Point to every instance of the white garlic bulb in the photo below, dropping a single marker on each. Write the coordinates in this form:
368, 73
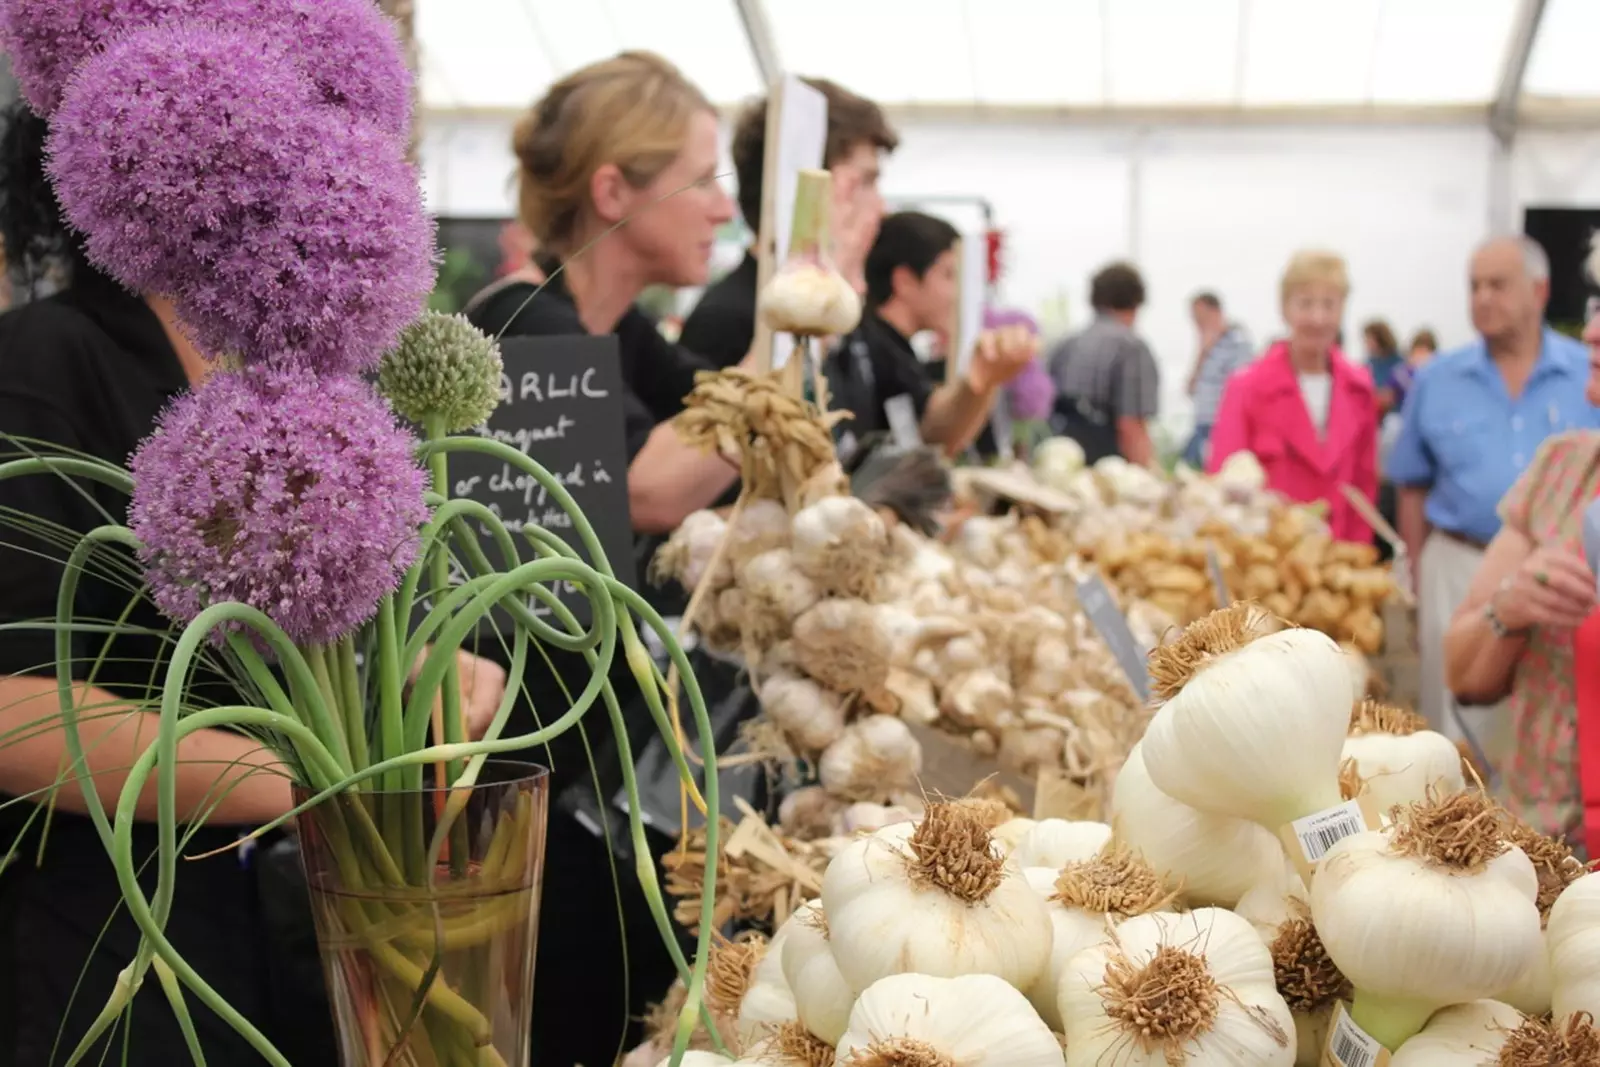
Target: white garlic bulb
974, 1020
1058, 842
1398, 758
1437, 910
1462, 1034
841, 544
822, 998
1254, 726
768, 1002
842, 644
1573, 937
1218, 1004
806, 297
811, 717
875, 757
687, 554
1217, 858
762, 525
935, 899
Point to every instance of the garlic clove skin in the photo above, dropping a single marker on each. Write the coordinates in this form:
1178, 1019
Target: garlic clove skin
1462, 1034
822, 998
885, 919
1408, 931
973, 1020
811, 717
1399, 770
1055, 843
1573, 937
1244, 1021
1257, 732
768, 1003
1217, 858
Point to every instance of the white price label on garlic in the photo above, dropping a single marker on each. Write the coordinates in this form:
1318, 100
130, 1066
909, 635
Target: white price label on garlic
1350, 1046
1320, 832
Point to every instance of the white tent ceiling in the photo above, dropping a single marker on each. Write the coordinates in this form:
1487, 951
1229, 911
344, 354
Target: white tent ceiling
1085, 55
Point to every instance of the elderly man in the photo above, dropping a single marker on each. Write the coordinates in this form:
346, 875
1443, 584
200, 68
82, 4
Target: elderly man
1472, 421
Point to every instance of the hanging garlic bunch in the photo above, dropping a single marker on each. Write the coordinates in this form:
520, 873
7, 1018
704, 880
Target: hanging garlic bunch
1574, 944
1462, 1034
1309, 982
822, 998
810, 812
811, 717
1055, 843
875, 758
1398, 757
1436, 910
1251, 726
841, 544
1086, 899
1194, 988
1556, 868
918, 1020
1217, 858
936, 899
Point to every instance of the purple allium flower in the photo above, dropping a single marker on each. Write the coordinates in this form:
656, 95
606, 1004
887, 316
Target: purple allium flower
347, 48
197, 164
1032, 393
296, 494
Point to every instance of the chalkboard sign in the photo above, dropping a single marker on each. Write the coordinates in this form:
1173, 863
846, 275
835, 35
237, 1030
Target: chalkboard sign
1095, 598
561, 404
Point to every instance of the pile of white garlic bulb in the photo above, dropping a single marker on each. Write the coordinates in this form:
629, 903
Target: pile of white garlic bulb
855, 629
1439, 932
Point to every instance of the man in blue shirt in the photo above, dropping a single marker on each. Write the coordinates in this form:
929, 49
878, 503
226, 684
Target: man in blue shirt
1471, 423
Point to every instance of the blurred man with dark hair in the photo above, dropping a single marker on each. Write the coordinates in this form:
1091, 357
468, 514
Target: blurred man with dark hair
723, 324
1108, 386
1224, 348
913, 284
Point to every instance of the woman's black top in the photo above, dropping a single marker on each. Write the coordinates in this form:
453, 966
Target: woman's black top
90, 370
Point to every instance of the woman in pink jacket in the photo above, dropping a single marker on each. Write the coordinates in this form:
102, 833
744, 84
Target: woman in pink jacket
1309, 414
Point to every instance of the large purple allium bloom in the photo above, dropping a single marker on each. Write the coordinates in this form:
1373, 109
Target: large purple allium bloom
1032, 393
348, 48
296, 494
197, 164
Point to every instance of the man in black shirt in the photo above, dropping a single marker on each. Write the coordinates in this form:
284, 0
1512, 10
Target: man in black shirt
912, 285
723, 324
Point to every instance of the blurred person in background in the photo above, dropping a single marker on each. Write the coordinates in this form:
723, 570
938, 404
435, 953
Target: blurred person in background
722, 325
1472, 422
1108, 384
1423, 346
625, 140
912, 286
1527, 634
1383, 363
1224, 348
1305, 411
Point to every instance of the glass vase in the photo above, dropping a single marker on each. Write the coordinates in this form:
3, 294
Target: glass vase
426, 904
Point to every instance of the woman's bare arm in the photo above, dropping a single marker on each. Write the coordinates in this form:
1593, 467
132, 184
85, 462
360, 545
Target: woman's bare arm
1480, 666
236, 773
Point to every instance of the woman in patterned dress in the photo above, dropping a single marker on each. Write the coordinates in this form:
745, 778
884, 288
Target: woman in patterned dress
1532, 602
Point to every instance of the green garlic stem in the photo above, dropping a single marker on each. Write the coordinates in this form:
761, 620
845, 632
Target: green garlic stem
1391, 1021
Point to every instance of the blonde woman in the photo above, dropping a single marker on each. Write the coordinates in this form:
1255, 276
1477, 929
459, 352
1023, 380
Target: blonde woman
1308, 413
617, 183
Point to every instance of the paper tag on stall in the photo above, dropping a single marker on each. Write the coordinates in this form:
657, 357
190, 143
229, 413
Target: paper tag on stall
1309, 839
1350, 1046
902, 415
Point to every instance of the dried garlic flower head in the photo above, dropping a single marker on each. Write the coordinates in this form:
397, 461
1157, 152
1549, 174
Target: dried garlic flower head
444, 368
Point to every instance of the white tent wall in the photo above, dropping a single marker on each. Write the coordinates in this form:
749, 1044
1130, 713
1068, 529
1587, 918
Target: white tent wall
1201, 206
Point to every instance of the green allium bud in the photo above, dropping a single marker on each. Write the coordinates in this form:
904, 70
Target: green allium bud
444, 368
